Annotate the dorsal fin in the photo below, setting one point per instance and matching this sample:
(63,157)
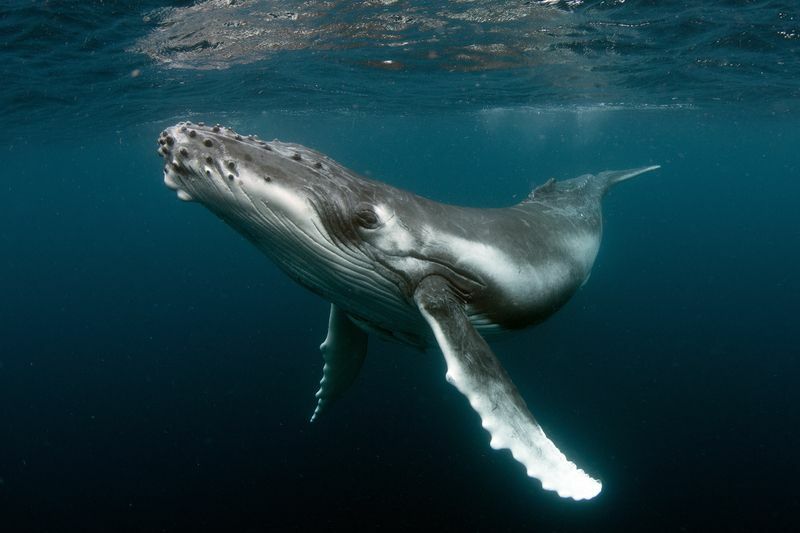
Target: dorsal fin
(545,188)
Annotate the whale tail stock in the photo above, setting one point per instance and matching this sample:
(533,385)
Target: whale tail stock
(600,183)
(608,178)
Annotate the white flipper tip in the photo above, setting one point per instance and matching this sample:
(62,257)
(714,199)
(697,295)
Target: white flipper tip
(578,486)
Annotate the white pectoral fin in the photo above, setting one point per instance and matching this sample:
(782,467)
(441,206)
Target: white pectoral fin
(478,375)
(343,351)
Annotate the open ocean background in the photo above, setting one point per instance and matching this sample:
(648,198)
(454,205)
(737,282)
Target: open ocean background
(157,373)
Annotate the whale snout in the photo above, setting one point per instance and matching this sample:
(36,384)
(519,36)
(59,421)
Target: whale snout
(202,160)
(195,155)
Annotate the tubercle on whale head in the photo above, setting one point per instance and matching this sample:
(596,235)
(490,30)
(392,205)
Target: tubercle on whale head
(199,159)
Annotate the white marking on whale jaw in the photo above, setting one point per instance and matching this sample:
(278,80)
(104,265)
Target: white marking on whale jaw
(171,181)
(185,196)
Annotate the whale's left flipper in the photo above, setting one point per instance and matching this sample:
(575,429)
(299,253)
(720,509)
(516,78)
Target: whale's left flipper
(344,350)
(478,375)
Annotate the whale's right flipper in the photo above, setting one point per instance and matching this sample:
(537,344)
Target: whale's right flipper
(478,375)
(344,350)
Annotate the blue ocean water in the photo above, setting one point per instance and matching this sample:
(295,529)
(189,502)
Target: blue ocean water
(157,372)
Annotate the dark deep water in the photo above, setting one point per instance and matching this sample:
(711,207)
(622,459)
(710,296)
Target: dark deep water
(157,373)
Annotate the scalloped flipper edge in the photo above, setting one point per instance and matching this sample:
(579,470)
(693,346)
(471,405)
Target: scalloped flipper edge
(475,371)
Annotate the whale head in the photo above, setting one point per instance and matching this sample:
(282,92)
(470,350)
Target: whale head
(309,214)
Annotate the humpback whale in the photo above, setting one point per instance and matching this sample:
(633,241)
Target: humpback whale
(406,268)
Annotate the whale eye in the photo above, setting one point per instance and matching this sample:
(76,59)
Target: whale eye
(367,218)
